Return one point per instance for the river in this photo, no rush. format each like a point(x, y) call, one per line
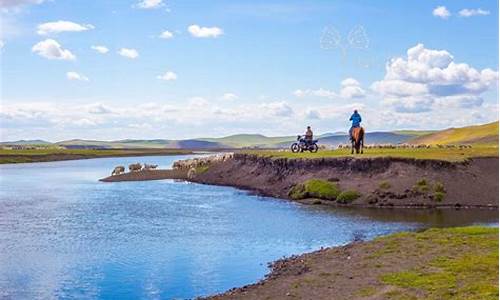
point(65, 235)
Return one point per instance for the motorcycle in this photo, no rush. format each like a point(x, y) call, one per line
point(303, 145)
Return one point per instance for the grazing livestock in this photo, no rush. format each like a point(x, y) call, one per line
point(135, 167)
point(149, 167)
point(118, 170)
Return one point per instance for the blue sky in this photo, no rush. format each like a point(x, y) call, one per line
point(270, 67)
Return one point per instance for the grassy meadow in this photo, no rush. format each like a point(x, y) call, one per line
point(8, 156)
point(448, 154)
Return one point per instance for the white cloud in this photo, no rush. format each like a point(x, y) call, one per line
point(128, 53)
point(100, 49)
point(14, 3)
point(62, 26)
point(98, 109)
point(317, 93)
point(51, 49)
point(150, 4)
point(229, 97)
point(75, 76)
point(473, 12)
point(204, 32)
point(428, 76)
point(350, 88)
point(166, 35)
point(168, 76)
point(312, 114)
point(441, 12)
point(278, 109)
point(2, 44)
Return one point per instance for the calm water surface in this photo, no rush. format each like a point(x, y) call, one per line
point(64, 235)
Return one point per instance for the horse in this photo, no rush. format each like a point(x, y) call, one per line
point(358, 140)
point(118, 170)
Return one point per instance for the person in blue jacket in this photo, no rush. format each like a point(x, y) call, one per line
point(356, 121)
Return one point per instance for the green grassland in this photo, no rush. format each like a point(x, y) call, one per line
point(486, 134)
point(53, 154)
point(448, 154)
point(454, 263)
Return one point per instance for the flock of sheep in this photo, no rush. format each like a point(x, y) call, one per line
point(133, 168)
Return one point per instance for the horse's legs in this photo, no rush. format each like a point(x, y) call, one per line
point(362, 145)
point(352, 147)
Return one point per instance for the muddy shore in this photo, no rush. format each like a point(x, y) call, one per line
point(471, 183)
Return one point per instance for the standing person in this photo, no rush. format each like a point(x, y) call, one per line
point(356, 122)
point(309, 135)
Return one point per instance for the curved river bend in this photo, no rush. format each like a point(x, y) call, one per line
point(64, 235)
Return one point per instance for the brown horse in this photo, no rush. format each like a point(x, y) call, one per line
point(358, 140)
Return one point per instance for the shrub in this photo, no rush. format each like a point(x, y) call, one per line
point(314, 188)
point(348, 196)
point(439, 196)
point(384, 185)
point(422, 182)
point(439, 187)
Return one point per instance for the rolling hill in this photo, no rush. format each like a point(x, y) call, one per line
point(481, 134)
point(486, 134)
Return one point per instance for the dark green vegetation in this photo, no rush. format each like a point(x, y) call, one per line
point(486, 134)
point(465, 264)
point(348, 196)
point(322, 189)
point(452, 154)
point(54, 154)
point(424, 187)
point(315, 188)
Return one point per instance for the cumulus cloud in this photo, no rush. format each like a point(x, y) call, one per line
point(168, 76)
point(100, 49)
point(204, 32)
point(98, 109)
point(166, 35)
point(441, 12)
point(317, 93)
point(51, 49)
point(415, 82)
point(312, 114)
point(62, 26)
point(351, 88)
point(150, 4)
point(76, 76)
point(229, 97)
point(128, 53)
point(2, 44)
point(278, 109)
point(473, 12)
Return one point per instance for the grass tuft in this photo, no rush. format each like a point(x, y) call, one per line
point(314, 188)
point(348, 196)
point(384, 185)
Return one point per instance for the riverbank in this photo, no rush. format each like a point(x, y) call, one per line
point(452, 263)
point(44, 155)
point(362, 182)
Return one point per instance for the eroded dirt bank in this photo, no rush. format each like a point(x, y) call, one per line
point(473, 183)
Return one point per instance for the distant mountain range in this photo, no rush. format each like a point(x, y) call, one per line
point(485, 134)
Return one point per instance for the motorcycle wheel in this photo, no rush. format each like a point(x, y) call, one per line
point(314, 148)
point(295, 148)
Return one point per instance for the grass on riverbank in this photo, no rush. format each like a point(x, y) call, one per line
point(446, 263)
point(40, 155)
point(448, 154)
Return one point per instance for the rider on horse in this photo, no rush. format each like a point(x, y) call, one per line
point(356, 122)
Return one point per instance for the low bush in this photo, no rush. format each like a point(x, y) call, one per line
point(314, 188)
point(439, 187)
point(439, 196)
point(348, 196)
point(384, 185)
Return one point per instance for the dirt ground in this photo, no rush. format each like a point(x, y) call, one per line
point(384, 269)
point(473, 183)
